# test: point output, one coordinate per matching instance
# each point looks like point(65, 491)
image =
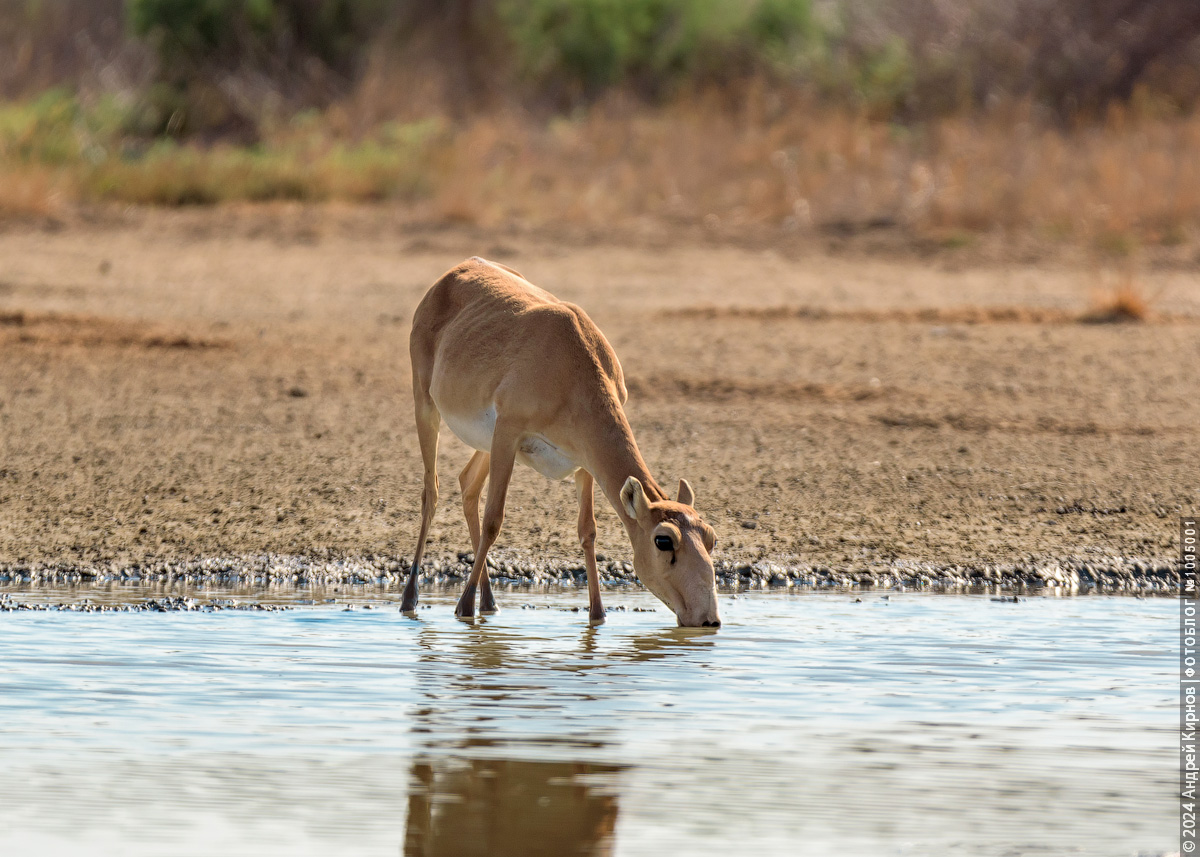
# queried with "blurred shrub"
point(200, 31)
point(42, 131)
point(224, 63)
point(585, 46)
point(1093, 52)
point(191, 30)
point(231, 69)
point(1071, 56)
point(78, 44)
point(54, 130)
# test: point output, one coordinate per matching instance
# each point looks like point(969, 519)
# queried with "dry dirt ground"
point(211, 383)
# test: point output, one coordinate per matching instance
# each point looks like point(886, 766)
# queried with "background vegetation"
point(1063, 118)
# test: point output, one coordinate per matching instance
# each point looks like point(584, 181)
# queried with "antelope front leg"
point(587, 539)
point(504, 454)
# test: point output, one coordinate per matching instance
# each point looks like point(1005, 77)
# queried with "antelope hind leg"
point(471, 481)
point(428, 422)
point(504, 456)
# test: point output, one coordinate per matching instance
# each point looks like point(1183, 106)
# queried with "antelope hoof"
point(487, 605)
point(596, 618)
point(466, 604)
point(409, 603)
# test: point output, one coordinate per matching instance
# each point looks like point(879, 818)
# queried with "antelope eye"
point(664, 543)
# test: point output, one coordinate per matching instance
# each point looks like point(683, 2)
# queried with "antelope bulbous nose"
point(712, 623)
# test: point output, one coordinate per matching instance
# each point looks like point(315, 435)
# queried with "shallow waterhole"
point(808, 724)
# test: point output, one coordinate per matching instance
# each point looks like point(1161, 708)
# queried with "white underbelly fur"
point(544, 457)
point(534, 451)
point(475, 431)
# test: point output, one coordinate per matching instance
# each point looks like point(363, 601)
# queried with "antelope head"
point(672, 549)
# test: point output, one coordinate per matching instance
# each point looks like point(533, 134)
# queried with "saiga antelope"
point(519, 375)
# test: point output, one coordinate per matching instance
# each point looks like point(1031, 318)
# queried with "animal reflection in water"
point(500, 807)
point(461, 804)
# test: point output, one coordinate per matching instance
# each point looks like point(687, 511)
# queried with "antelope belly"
point(546, 458)
point(475, 430)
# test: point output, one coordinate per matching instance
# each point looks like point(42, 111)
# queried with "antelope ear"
point(633, 498)
point(686, 496)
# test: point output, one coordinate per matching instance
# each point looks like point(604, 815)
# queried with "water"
point(809, 724)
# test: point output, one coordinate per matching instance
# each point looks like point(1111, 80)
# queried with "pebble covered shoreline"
point(513, 570)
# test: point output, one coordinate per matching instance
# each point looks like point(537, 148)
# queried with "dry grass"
point(28, 192)
point(181, 175)
point(1124, 300)
point(1115, 187)
point(755, 165)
